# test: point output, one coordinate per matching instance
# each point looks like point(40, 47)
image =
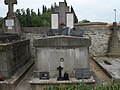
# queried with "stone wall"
point(33, 33)
point(36, 30)
point(99, 35)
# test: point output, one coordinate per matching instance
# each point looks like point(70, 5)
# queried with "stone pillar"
point(114, 42)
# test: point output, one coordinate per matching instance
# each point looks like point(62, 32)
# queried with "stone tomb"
point(14, 51)
point(13, 55)
point(62, 56)
point(74, 51)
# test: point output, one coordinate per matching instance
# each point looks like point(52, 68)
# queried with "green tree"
point(23, 20)
point(28, 17)
point(38, 12)
point(46, 19)
point(1, 20)
point(52, 8)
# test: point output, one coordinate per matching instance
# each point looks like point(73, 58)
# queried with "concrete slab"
point(110, 65)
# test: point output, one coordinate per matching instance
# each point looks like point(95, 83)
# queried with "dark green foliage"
point(29, 18)
point(69, 87)
point(111, 85)
point(1, 20)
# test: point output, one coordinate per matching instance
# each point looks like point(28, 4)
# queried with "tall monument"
point(11, 23)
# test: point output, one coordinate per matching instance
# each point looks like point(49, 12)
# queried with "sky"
point(92, 10)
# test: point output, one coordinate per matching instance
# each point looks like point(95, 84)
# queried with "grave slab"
point(110, 65)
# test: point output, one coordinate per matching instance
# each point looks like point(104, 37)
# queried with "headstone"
point(64, 15)
point(62, 21)
point(11, 24)
point(62, 10)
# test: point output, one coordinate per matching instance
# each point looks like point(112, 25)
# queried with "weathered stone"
point(74, 50)
point(13, 55)
point(114, 42)
point(10, 4)
point(110, 65)
point(62, 9)
point(11, 84)
point(62, 41)
point(11, 23)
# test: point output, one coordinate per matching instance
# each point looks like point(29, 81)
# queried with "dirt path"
point(99, 74)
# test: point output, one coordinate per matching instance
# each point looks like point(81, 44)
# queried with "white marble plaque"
point(70, 20)
point(54, 21)
point(9, 22)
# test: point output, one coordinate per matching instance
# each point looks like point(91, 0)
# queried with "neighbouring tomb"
point(63, 54)
point(14, 51)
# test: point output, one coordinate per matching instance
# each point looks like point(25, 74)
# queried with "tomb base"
point(37, 84)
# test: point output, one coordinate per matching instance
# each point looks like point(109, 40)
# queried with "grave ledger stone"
point(11, 23)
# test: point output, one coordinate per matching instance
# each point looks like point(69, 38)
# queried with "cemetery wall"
point(99, 39)
point(33, 33)
point(99, 35)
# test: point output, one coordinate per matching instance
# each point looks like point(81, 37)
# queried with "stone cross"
point(60, 72)
point(62, 10)
point(10, 4)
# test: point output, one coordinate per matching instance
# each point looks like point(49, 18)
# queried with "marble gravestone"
point(11, 23)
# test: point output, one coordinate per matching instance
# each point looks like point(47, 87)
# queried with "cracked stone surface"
point(111, 65)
